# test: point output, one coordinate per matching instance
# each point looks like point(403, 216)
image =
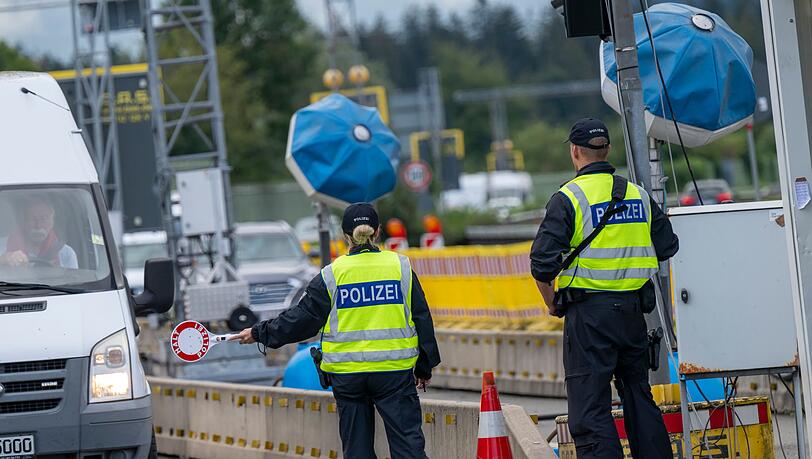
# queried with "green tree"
point(15, 59)
point(273, 51)
point(463, 69)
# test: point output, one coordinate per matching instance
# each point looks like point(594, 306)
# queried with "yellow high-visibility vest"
point(370, 327)
point(622, 256)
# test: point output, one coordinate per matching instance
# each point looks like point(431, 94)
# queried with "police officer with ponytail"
point(377, 335)
point(602, 239)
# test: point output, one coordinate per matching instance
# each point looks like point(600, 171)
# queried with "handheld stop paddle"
point(190, 340)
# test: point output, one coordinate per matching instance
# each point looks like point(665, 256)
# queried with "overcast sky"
point(48, 31)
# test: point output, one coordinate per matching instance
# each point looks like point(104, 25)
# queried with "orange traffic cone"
point(493, 440)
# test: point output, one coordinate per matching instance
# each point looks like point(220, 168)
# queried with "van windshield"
point(52, 236)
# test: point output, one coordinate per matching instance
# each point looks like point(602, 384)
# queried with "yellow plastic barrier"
point(482, 287)
point(207, 419)
point(749, 436)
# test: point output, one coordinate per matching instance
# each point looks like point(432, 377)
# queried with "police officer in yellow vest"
point(378, 339)
point(599, 295)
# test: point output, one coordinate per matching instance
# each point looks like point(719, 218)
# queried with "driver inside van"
point(34, 241)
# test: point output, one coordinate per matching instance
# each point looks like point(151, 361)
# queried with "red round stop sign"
point(190, 341)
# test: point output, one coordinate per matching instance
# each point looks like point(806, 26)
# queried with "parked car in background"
point(268, 256)
point(496, 191)
point(713, 191)
point(137, 248)
point(307, 229)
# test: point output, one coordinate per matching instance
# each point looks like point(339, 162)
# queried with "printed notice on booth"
point(802, 194)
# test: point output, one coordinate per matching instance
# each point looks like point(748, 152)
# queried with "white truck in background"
point(497, 190)
point(71, 382)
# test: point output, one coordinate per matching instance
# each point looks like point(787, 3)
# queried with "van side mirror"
point(159, 287)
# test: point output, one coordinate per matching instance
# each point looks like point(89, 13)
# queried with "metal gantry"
point(187, 118)
point(342, 30)
point(95, 104)
point(432, 113)
point(497, 98)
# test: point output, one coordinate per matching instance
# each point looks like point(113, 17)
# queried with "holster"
point(648, 297)
point(654, 336)
point(324, 378)
point(566, 297)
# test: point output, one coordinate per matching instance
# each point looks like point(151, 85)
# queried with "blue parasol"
point(341, 152)
point(706, 67)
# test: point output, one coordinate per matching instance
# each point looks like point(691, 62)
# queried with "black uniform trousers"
point(605, 336)
point(394, 394)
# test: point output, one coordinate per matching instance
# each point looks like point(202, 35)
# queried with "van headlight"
point(110, 372)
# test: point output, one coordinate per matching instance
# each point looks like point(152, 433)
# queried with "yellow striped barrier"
point(214, 420)
point(482, 287)
point(722, 437)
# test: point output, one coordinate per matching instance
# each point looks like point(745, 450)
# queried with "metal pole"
point(637, 142)
point(658, 179)
point(751, 150)
point(331, 30)
point(631, 89)
point(111, 147)
point(225, 247)
point(787, 28)
point(687, 447)
point(799, 412)
point(164, 172)
point(323, 216)
point(499, 132)
point(431, 82)
point(77, 67)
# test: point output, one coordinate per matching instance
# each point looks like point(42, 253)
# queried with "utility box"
point(215, 302)
point(202, 198)
point(731, 288)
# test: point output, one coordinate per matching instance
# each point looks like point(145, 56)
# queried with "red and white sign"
point(416, 175)
point(190, 340)
point(396, 243)
point(711, 418)
point(432, 241)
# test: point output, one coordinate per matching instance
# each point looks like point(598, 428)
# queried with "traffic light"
point(584, 18)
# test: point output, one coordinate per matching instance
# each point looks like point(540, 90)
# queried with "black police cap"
point(586, 129)
point(360, 213)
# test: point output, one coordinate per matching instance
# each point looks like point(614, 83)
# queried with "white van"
point(71, 383)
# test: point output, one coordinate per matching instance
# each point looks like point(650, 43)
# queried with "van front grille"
point(25, 367)
point(29, 406)
point(34, 386)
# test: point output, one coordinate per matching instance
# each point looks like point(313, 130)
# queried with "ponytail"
point(362, 235)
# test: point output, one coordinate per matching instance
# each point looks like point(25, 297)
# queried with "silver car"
point(268, 256)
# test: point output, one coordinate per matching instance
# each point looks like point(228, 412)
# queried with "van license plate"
point(19, 446)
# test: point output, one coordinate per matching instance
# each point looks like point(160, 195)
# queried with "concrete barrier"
point(233, 421)
point(528, 363)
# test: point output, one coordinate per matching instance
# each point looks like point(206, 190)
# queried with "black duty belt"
point(570, 295)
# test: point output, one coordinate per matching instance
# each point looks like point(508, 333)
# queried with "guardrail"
point(230, 421)
point(529, 363)
point(482, 287)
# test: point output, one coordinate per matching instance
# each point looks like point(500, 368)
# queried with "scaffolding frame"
point(95, 103)
point(198, 114)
